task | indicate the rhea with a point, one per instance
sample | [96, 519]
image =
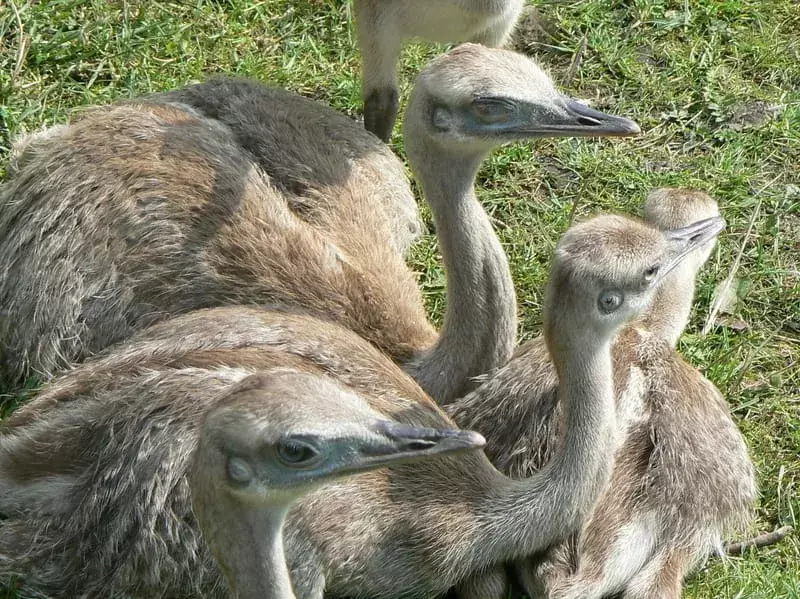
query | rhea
[404, 531]
[464, 104]
[383, 25]
[261, 444]
[224, 194]
[669, 208]
[681, 476]
[272, 438]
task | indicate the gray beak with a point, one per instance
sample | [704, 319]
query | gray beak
[681, 242]
[566, 117]
[594, 122]
[394, 442]
[558, 116]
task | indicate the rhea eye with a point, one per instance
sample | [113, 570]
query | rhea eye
[441, 118]
[651, 273]
[492, 110]
[609, 301]
[239, 471]
[296, 453]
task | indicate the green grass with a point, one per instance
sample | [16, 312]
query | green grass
[686, 71]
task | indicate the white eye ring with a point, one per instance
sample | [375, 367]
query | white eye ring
[610, 300]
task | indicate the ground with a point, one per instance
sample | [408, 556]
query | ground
[715, 85]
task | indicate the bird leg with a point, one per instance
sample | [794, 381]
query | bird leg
[380, 111]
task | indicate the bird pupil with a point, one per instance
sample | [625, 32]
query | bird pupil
[295, 452]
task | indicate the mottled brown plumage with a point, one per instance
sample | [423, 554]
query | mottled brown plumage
[137, 211]
[682, 476]
[93, 470]
[147, 209]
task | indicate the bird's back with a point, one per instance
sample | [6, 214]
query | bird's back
[331, 167]
[142, 210]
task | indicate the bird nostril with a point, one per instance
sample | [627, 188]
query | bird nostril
[419, 445]
[589, 122]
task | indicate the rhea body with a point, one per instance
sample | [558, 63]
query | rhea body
[272, 438]
[411, 531]
[383, 25]
[139, 211]
[681, 477]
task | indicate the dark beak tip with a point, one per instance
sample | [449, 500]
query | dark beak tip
[601, 123]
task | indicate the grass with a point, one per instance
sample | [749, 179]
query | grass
[715, 84]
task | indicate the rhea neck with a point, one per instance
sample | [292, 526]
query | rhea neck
[246, 540]
[533, 513]
[480, 321]
[582, 358]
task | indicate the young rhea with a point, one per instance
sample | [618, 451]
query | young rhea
[102, 507]
[384, 24]
[140, 211]
[258, 446]
[669, 208]
[681, 477]
[272, 438]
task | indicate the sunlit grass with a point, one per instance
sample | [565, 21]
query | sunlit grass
[691, 73]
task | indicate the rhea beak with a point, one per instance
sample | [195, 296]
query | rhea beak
[681, 242]
[392, 442]
[566, 117]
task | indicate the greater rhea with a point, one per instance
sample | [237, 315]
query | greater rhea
[272, 438]
[681, 475]
[109, 481]
[670, 208]
[259, 445]
[383, 25]
[143, 210]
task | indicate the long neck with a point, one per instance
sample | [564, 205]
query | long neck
[524, 516]
[481, 317]
[582, 465]
[668, 313]
[247, 542]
